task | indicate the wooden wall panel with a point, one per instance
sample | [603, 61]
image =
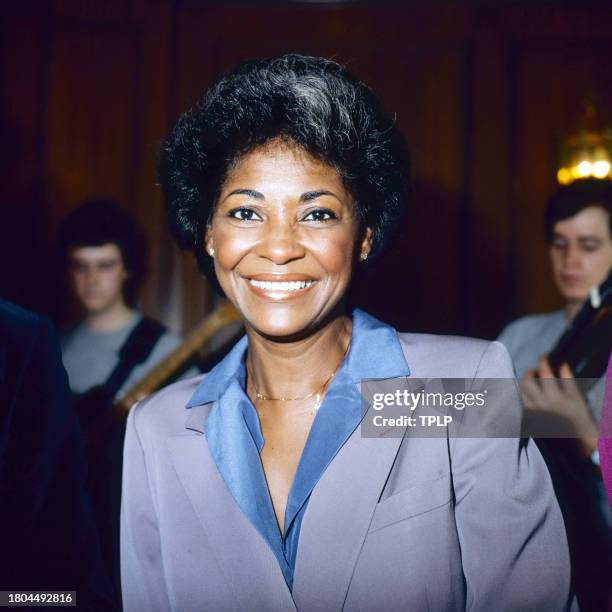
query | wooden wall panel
[487, 273]
[429, 101]
[110, 12]
[552, 80]
[93, 136]
[24, 246]
[482, 94]
[174, 291]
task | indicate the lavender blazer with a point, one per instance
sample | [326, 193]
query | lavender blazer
[393, 524]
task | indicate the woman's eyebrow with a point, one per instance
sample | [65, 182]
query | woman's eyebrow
[249, 192]
[313, 195]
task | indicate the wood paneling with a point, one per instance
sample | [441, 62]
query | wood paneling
[552, 79]
[93, 136]
[24, 246]
[483, 96]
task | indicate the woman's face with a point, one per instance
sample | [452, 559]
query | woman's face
[285, 237]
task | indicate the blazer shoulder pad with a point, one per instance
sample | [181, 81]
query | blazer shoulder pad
[440, 356]
[165, 410]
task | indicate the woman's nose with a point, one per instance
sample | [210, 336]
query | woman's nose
[280, 242]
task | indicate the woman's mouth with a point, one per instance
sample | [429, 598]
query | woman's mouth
[281, 286]
[280, 289]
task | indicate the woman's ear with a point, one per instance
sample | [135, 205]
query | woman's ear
[366, 244]
[208, 241]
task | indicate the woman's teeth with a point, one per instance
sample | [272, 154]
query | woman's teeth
[281, 286]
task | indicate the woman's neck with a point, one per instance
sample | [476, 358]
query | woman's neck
[300, 367]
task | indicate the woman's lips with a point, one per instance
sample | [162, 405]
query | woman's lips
[280, 289]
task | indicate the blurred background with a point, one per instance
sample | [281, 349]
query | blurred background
[485, 93]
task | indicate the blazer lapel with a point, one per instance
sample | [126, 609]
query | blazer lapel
[243, 555]
[338, 517]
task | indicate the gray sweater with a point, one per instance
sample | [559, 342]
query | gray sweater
[89, 356]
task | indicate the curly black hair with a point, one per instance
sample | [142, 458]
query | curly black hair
[569, 200]
[100, 222]
[310, 101]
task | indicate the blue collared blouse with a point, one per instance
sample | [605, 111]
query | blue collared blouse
[235, 440]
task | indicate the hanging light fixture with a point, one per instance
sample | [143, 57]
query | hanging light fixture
[588, 152]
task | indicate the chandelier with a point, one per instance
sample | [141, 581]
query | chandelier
[587, 153]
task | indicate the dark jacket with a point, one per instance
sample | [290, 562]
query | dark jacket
[47, 533]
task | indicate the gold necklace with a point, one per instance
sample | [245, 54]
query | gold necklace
[318, 393]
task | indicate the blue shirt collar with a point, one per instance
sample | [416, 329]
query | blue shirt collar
[235, 439]
[375, 353]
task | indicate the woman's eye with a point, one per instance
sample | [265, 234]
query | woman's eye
[320, 214]
[244, 214]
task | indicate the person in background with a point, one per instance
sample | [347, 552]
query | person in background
[111, 347]
[103, 252]
[47, 529]
[578, 221]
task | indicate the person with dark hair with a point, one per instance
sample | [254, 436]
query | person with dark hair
[252, 488]
[47, 529]
[111, 348]
[578, 230]
[103, 251]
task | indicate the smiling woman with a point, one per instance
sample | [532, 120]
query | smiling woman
[290, 237]
[252, 488]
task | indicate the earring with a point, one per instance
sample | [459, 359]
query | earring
[363, 257]
[211, 252]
